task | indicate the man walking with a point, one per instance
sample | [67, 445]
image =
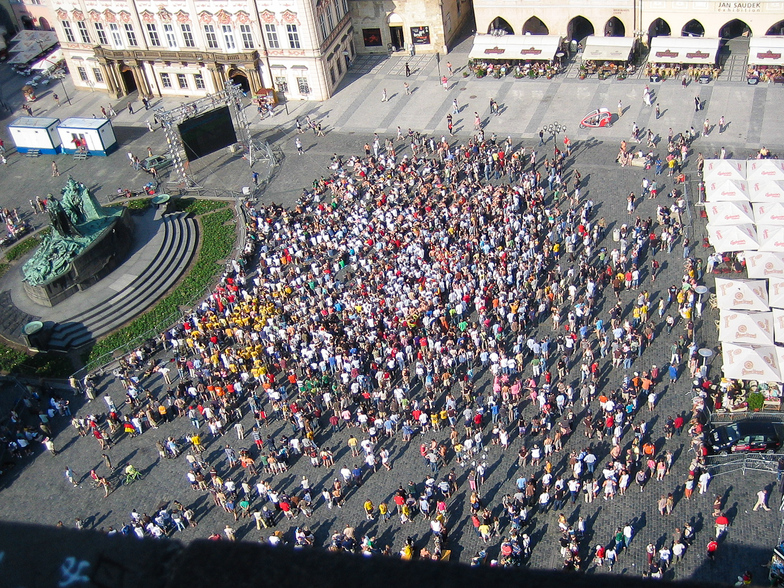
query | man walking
[55, 171]
[298, 144]
[620, 109]
[71, 477]
[408, 70]
[762, 499]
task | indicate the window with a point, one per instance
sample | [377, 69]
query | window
[228, 37]
[165, 80]
[332, 75]
[330, 18]
[323, 26]
[247, 36]
[69, 36]
[198, 80]
[212, 38]
[98, 75]
[114, 29]
[338, 62]
[281, 84]
[83, 74]
[272, 36]
[171, 38]
[102, 40]
[83, 33]
[291, 29]
[130, 34]
[182, 81]
[187, 35]
[345, 6]
[371, 37]
[152, 33]
[302, 84]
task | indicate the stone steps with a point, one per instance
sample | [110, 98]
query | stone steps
[174, 254]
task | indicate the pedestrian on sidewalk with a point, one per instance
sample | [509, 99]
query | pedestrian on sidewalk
[104, 113]
[762, 500]
[27, 109]
[706, 127]
[384, 95]
[620, 108]
[255, 177]
[146, 103]
[408, 70]
[449, 67]
[55, 171]
[112, 111]
[445, 83]
[130, 108]
[408, 88]
[56, 99]
[721, 124]
[477, 122]
[697, 104]
[658, 112]
[541, 136]
[711, 549]
[71, 476]
[298, 144]
[455, 107]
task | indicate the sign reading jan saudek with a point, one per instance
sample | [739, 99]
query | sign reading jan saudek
[739, 6]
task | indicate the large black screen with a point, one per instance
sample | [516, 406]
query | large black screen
[206, 133]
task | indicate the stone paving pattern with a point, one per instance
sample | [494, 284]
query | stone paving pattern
[36, 491]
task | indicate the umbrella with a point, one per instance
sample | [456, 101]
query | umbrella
[776, 292]
[766, 191]
[770, 237]
[742, 294]
[724, 190]
[778, 326]
[741, 237]
[737, 326]
[764, 264]
[769, 213]
[749, 362]
[724, 169]
[765, 169]
[729, 213]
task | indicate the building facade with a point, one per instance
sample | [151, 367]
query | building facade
[426, 26]
[193, 47]
[640, 18]
[33, 14]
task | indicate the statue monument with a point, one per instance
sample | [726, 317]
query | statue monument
[81, 247]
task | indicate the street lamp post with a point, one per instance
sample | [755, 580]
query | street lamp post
[60, 75]
[554, 128]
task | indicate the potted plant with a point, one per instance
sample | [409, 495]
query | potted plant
[583, 72]
[755, 400]
[465, 73]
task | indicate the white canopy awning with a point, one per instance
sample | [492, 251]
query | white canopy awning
[758, 170]
[742, 294]
[767, 50]
[770, 238]
[733, 237]
[765, 264]
[729, 213]
[724, 169]
[50, 61]
[736, 326]
[726, 191]
[607, 48]
[776, 292]
[747, 362]
[769, 213]
[766, 191]
[28, 40]
[693, 50]
[778, 326]
[515, 47]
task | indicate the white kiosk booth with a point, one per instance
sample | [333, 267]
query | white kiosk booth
[33, 133]
[95, 135]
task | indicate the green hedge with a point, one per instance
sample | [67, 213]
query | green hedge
[21, 248]
[43, 364]
[217, 241]
[197, 207]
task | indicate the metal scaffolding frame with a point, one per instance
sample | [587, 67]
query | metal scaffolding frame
[230, 96]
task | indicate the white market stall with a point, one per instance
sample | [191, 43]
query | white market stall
[765, 264]
[50, 62]
[766, 50]
[684, 50]
[515, 47]
[756, 328]
[607, 48]
[766, 213]
[778, 326]
[729, 213]
[721, 190]
[728, 238]
[724, 169]
[749, 362]
[776, 292]
[36, 133]
[770, 238]
[764, 169]
[96, 134]
[766, 190]
[742, 294]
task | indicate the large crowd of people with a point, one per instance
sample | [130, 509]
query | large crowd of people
[457, 297]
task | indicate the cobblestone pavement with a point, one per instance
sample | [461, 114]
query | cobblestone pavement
[37, 491]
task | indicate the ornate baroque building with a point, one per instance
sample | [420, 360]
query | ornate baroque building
[192, 47]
